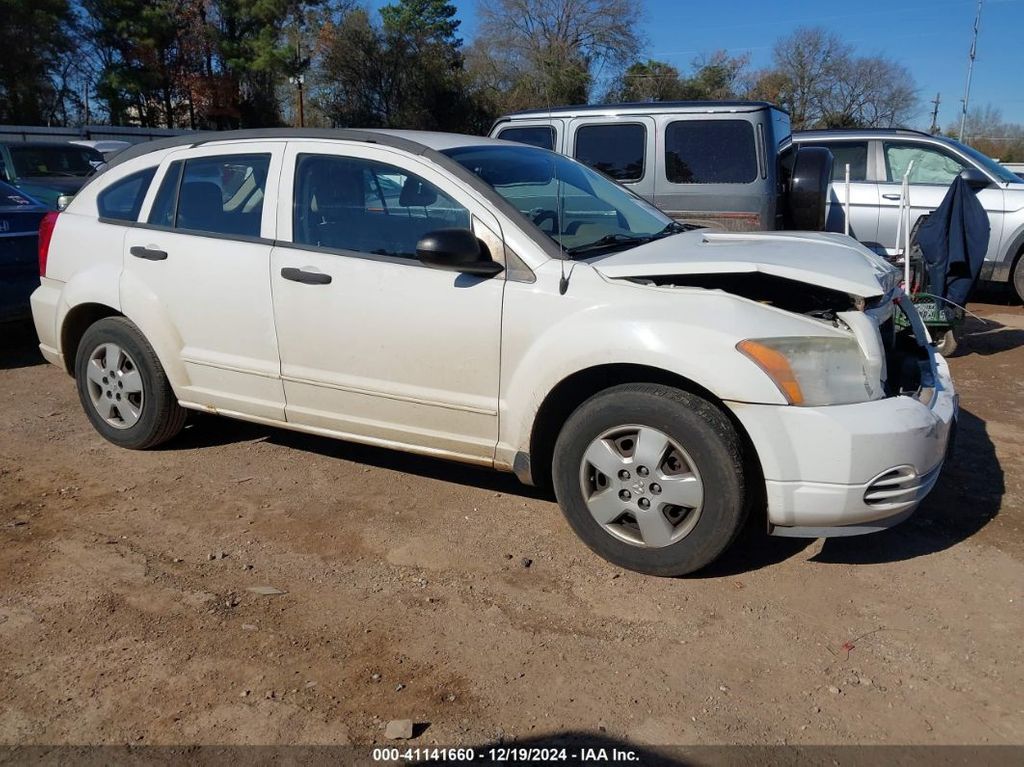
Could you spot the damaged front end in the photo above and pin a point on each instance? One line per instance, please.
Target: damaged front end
(893, 352)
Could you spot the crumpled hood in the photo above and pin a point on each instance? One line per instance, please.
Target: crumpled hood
(832, 261)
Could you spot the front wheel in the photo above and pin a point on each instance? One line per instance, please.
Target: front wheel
(123, 387)
(650, 478)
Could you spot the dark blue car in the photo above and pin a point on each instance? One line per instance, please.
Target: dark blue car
(19, 251)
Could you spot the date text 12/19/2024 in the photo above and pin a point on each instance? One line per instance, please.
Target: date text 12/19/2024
(519, 754)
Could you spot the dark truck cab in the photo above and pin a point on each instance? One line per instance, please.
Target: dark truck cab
(711, 163)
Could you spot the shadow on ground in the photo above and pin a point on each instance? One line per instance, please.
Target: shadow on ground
(967, 497)
(19, 346)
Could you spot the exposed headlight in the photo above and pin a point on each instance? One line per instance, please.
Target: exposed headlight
(64, 200)
(812, 371)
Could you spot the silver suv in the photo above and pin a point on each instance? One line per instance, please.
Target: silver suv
(879, 158)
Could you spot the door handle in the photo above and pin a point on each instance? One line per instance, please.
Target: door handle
(150, 254)
(306, 278)
(891, 196)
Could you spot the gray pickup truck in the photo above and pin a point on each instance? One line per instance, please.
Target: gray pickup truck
(712, 163)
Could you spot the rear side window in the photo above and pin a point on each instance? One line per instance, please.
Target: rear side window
(710, 152)
(853, 152)
(216, 195)
(615, 150)
(346, 203)
(542, 136)
(122, 200)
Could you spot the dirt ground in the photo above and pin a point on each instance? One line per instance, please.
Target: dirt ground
(460, 599)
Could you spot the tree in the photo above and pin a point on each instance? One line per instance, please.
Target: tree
(552, 50)
(34, 37)
(407, 71)
(986, 131)
(648, 81)
(822, 84)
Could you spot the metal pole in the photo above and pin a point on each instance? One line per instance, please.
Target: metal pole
(935, 114)
(970, 71)
(846, 205)
(302, 111)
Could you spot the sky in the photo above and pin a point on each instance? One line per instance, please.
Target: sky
(931, 39)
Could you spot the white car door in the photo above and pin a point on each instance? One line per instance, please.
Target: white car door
(196, 274)
(374, 345)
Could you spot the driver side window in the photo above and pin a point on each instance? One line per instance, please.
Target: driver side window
(365, 206)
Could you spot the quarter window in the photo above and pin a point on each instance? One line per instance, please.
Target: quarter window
(122, 200)
(615, 150)
(931, 166)
(853, 152)
(542, 136)
(219, 195)
(344, 203)
(710, 152)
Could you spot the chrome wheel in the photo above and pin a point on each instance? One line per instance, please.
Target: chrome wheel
(115, 386)
(641, 486)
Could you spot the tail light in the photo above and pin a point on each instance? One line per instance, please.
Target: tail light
(45, 235)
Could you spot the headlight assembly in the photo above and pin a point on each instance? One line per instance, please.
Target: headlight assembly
(812, 371)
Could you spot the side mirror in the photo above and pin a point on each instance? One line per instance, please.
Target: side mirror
(457, 250)
(975, 178)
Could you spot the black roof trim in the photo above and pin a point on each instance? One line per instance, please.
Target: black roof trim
(256, 134)
(857, 131)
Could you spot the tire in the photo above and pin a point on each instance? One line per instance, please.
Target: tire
(806, 202)
(946, 346)
(660, 538)
(1017, 280)
(125, 393)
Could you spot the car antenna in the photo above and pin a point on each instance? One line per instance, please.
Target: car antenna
(563, 282)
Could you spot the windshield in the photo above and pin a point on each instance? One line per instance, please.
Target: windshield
(41, 161)
(580, 209)
(1003, 174)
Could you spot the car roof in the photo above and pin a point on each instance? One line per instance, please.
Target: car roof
(645, 107)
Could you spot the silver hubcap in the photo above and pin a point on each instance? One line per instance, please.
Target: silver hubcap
(115, 386)
(641, 486)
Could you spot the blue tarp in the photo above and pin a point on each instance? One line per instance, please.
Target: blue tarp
(953, 242)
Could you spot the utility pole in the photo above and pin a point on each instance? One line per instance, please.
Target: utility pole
(970, 70)
(935, 114)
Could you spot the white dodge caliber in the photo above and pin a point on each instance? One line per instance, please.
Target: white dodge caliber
(501, 305)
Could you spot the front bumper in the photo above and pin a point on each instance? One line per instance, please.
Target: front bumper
(851, 469)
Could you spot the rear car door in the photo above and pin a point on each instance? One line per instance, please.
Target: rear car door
(375, 345)
(863, 190)
(197, 269)
(934, 169)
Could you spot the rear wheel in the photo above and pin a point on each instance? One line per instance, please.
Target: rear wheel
(123, 388)
(650, 478)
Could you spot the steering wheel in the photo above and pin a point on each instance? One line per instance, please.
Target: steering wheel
(541, 215)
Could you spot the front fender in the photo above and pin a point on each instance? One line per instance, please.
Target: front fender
(688, 332)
